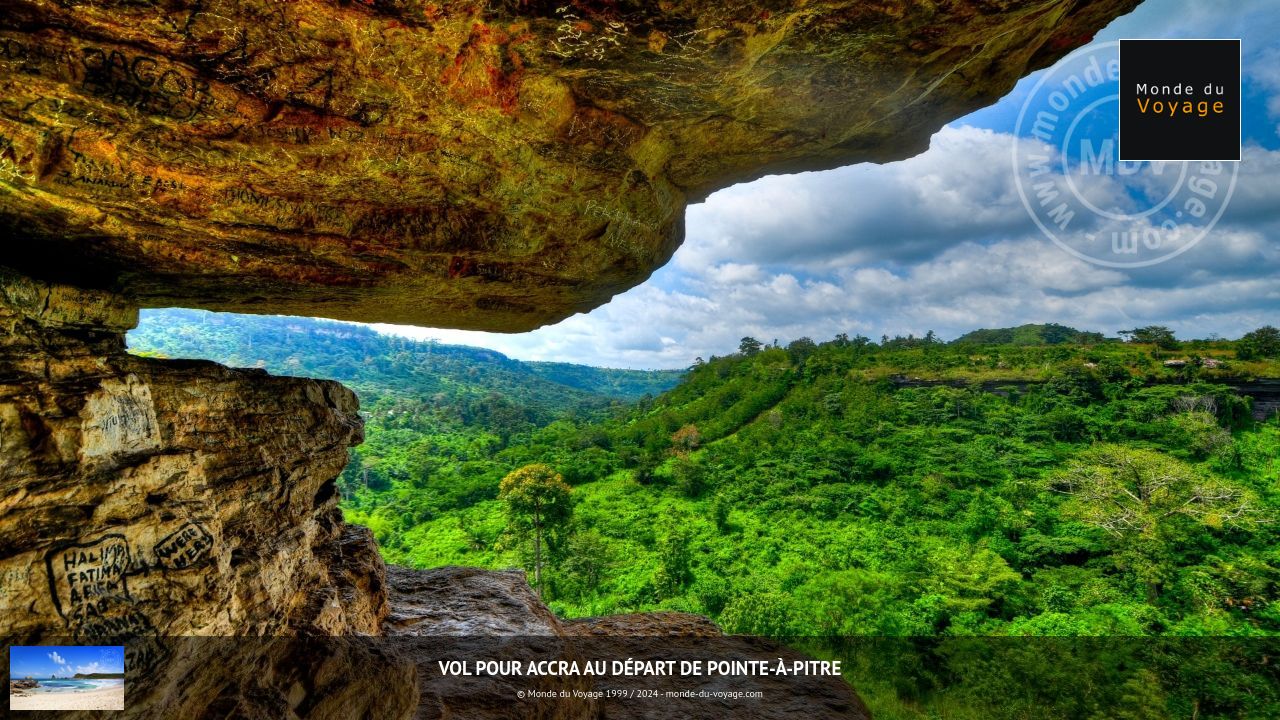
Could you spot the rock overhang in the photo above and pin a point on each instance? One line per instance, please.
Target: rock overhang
(481, 165)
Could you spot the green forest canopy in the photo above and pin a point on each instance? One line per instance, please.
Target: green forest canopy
(906, 488)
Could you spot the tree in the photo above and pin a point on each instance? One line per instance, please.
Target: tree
(1141, 697)
(719, 509)
(586, 561)
(674, 559)
(1200, 432)
(686, 439)
(749, 346)
(1142, 497)
(800, 349)
(537, 502)
(1261, 343)
(690, 475)
(1158, 335)
(758, 613)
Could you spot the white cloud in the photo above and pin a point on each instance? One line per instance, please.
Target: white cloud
(54, 656)
(958, 189)
(937, 242)
(93, 667)
(1004, 273)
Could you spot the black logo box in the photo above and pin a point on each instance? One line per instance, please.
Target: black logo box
(1184, 64)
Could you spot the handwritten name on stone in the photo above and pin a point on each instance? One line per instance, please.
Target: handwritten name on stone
(119, 417)
(184, 547)
(87, 580)
(130, 623)
(132, 628)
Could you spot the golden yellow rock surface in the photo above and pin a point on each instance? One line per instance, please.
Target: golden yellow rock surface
(492, 165)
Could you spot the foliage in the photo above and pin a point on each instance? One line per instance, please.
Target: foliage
(434, 413)
(538, 505)
(880, 507)
(1133, 492)
(1261, 343)
(1158, 335)
(840, 491)
(1029, 335)
(907, 489)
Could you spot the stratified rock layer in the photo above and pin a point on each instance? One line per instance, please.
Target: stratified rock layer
(460, 613)
(173, 497)
(143, 500)
(491, 165)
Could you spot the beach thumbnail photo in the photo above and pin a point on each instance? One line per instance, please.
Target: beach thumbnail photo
(66, 677)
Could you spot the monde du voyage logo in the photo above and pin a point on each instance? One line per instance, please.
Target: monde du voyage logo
(1180, 100)
(1126, 152)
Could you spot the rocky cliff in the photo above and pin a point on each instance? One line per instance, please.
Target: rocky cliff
(170, 497)
(188, 511)
(145, 500)
(483, 164)
(486, 164)
(1263, 393)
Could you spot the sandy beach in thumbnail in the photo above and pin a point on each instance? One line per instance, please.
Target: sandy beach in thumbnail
(105, 698)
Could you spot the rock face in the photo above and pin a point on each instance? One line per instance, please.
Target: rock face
(1265, 393)
(168, 497)
(480, 164)
(145, 500)
(457, 613)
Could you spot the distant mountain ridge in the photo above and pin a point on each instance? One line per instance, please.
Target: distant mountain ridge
(423, 402)
(375, 364)
(626, 384)
(1031, 334)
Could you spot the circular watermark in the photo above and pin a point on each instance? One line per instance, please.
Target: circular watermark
(1120, 214)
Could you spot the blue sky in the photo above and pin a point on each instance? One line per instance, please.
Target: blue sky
(939, 242)
(43, 661)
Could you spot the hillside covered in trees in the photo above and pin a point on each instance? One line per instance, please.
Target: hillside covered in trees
(1049, 334)
(422, 402)
(803, 491)
(829, 491)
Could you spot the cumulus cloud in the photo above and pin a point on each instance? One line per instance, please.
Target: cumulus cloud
(940, 242)
(961, 188)
(1264, 69)
(1000, 273)
(56, 658)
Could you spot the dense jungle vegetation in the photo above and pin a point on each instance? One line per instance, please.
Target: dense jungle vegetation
(1033, 481)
